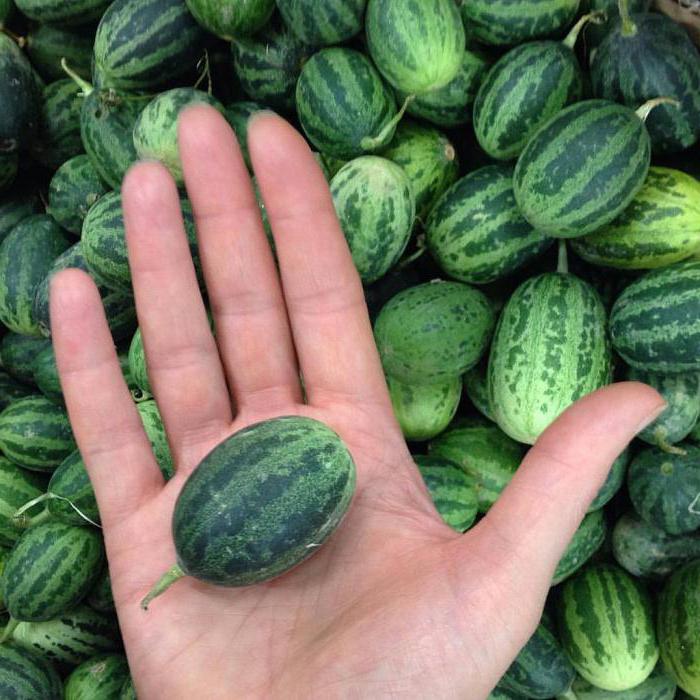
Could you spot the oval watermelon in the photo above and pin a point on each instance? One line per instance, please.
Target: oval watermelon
(323, 22)
(26, 674)
(137, 364)
(613, 483)
(586, 542)
(476, 387)
(75, 12)
(231, 19)
(17, 355)
(101, 677)
(46, 376)
(658, 686)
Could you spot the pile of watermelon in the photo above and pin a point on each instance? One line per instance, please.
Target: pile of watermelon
(517, 182)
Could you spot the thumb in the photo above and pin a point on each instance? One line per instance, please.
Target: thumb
(538, 513)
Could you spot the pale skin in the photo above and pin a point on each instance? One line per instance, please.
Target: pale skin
(396, 604)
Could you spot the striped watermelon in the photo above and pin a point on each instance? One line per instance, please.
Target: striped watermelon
(155, 131)
(11, 390)
(58, 137)
(606, 627)
(433, 332)
(48, 44)
(25, 258)
(137, 364)
(17, 355)
(376, 207)
(658, 686)
(46, 376)
(660, 227)
(15, 206)
(75, 12)
(523, 91)
(9, 167)
(104, 242)
(586, 542)
(428, 158)
(483, 452)
(19, 96)
(424, 410)
(510, 22)
(36, 434)
(645, 550)
(665, 488)
(314, 477)
(655, 322)
(153, 425)
(616, 477)
(682, 395)
(26, 674)
(231, 19)
(452, 490)
(476, 232)
(72, 638)
(451, 105)
(268, 65)
(238, 115)
(595, 33)
(541, 669)
(344, 106)
(143, 44)
(417, 47)
(582, 168)
(51, 569)
(74, 188)
(100, 597)
(550, 350)
(323, 22)
(476, 387)
(107, 121)
(671, 68)
(679, 611)
(17, 486)
(101, 677)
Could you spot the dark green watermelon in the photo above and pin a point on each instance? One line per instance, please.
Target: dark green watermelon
(595, 33)
(231, 19)
(155, 430)
(17, 487)
(586, 542)
(99, 678)
(27, 675)
(15, 206)
(75, 12)
(323, 22)
(46, 375)
(17, 354)
(613, 483)
(11, 390)
(100, 597)
(47, 45)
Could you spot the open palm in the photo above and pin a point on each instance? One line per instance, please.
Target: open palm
(396, 603)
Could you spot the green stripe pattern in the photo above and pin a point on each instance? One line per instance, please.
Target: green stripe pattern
(606, 627)
(153, 425)
(541, 669)
(71, 496)
(664, 488)
(376, 207)
(660, 227)
(283, 484)
(17, 354)
(658, 686)
(268, 66)
(74, 188)
(586, 542)
(343, 104)
(51, 569)
(101, 597)
(655, 322)
(417, 46)
(433, 332)
(452, 490)
(522, 92)
(679, 611)
(107, 121)
(46, 376)
(682, 395)
(550, 350)
(484, 453)
(26, 256)
(582, 168)
(75, 12)
(476, 232)
(510, 22)
(658, 60)
(36, 434)
(17, 487)
(72, 638)
(137, 364)
(451, 105)
(141, 44)
(613, 483)
(47, 45)
(323, 22)
(11, 390)
(155, 131)
(231, 19)
(647, 551)
(424, 410)
(428, 158)
(238, 115)
(26, 674)
(100, 677)
(595, 33)
(476, 387)
(16, 206)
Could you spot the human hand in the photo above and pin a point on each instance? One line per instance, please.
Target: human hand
(396, 603)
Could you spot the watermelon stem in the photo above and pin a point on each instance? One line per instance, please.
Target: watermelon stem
(563, 263)
(165, 581)
(629, 28)
(9, 629)
(597, 17)
(662, 444)
(21, 520)
(418, 253)
(21, 41)
(372, 143)
(86, 87)
(645, 110)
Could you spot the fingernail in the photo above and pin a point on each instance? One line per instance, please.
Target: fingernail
(259, 114)
(652, 417)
